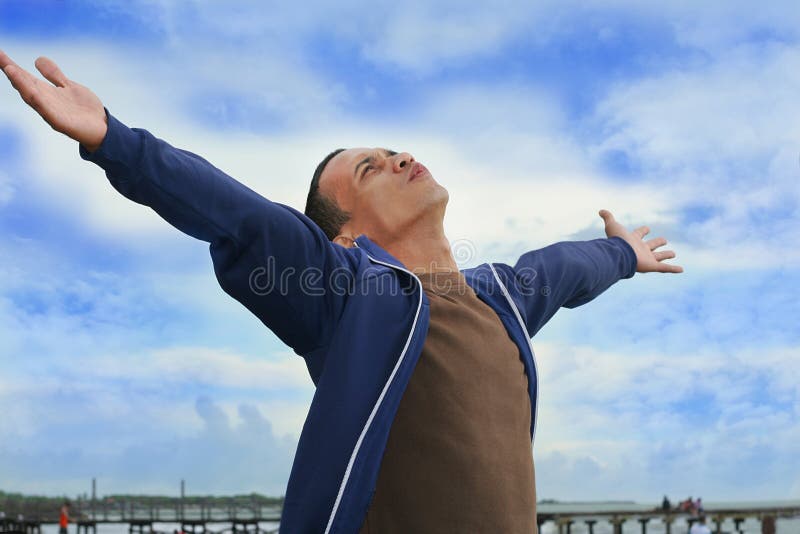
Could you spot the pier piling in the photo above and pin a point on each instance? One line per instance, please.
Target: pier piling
(768, 524)
(140, 526)
(85, 526)
(668, 519)
(617, 523)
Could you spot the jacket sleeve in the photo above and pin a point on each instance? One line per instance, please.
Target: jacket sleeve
(269, 257)
(569, 274)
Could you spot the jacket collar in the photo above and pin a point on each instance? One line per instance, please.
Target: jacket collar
(375, 251)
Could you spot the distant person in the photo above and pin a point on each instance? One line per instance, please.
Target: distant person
(665, 504)
(63, 519)
(686, 505)
(700, 527)
(698, 505)
(690, 505)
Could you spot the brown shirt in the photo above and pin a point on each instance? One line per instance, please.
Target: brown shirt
(459, 457)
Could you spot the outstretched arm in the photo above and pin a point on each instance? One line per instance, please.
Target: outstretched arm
(571, 273)
(268, 256)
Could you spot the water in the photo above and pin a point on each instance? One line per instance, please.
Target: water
(122, 528)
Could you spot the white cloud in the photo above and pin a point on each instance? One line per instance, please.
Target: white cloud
(205, 366)
(722, 135)
(416, 39)
(424, 36)
(716, 26)
(104, 345)
(217, 457)
(630, 415)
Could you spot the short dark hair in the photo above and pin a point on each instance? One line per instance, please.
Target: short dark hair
(322, 209)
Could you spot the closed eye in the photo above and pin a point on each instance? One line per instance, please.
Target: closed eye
(367, 168)
(368, 163)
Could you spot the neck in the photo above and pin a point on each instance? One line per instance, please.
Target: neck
(423, 249)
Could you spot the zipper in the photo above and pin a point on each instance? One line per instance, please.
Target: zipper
(380, 397)
(530, 344)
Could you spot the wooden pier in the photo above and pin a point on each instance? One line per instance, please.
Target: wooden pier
(715, 519)
(199, 515)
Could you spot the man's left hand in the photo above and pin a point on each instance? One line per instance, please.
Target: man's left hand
(648, 260)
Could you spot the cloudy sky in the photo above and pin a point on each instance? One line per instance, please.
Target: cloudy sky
(122, 359)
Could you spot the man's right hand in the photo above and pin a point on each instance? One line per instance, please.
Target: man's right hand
(68, 107)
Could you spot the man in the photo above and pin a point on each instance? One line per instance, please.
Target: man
(365, 288)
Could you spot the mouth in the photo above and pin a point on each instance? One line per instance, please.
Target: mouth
(417, 170)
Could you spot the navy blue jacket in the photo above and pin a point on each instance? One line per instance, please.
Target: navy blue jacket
(356, 315)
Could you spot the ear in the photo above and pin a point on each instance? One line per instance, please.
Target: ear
(344, 240)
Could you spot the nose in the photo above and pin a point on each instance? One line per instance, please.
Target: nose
(402, 161)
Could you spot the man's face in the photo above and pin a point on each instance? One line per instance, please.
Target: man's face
(384, 191)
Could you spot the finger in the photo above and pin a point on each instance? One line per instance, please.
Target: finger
(661, 267)
(12, 72)
(50, 70)
(655, 243)
(669, 268)
(5, 60)
(607, 216)
(664, 255)
(641, 231)
(21, 75)
(22, 81)
(27, 87)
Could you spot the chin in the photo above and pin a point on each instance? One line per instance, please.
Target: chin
(431, 195)
(435, 201)
(441, 194)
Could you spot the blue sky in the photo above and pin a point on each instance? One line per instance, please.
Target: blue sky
(123, 360)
